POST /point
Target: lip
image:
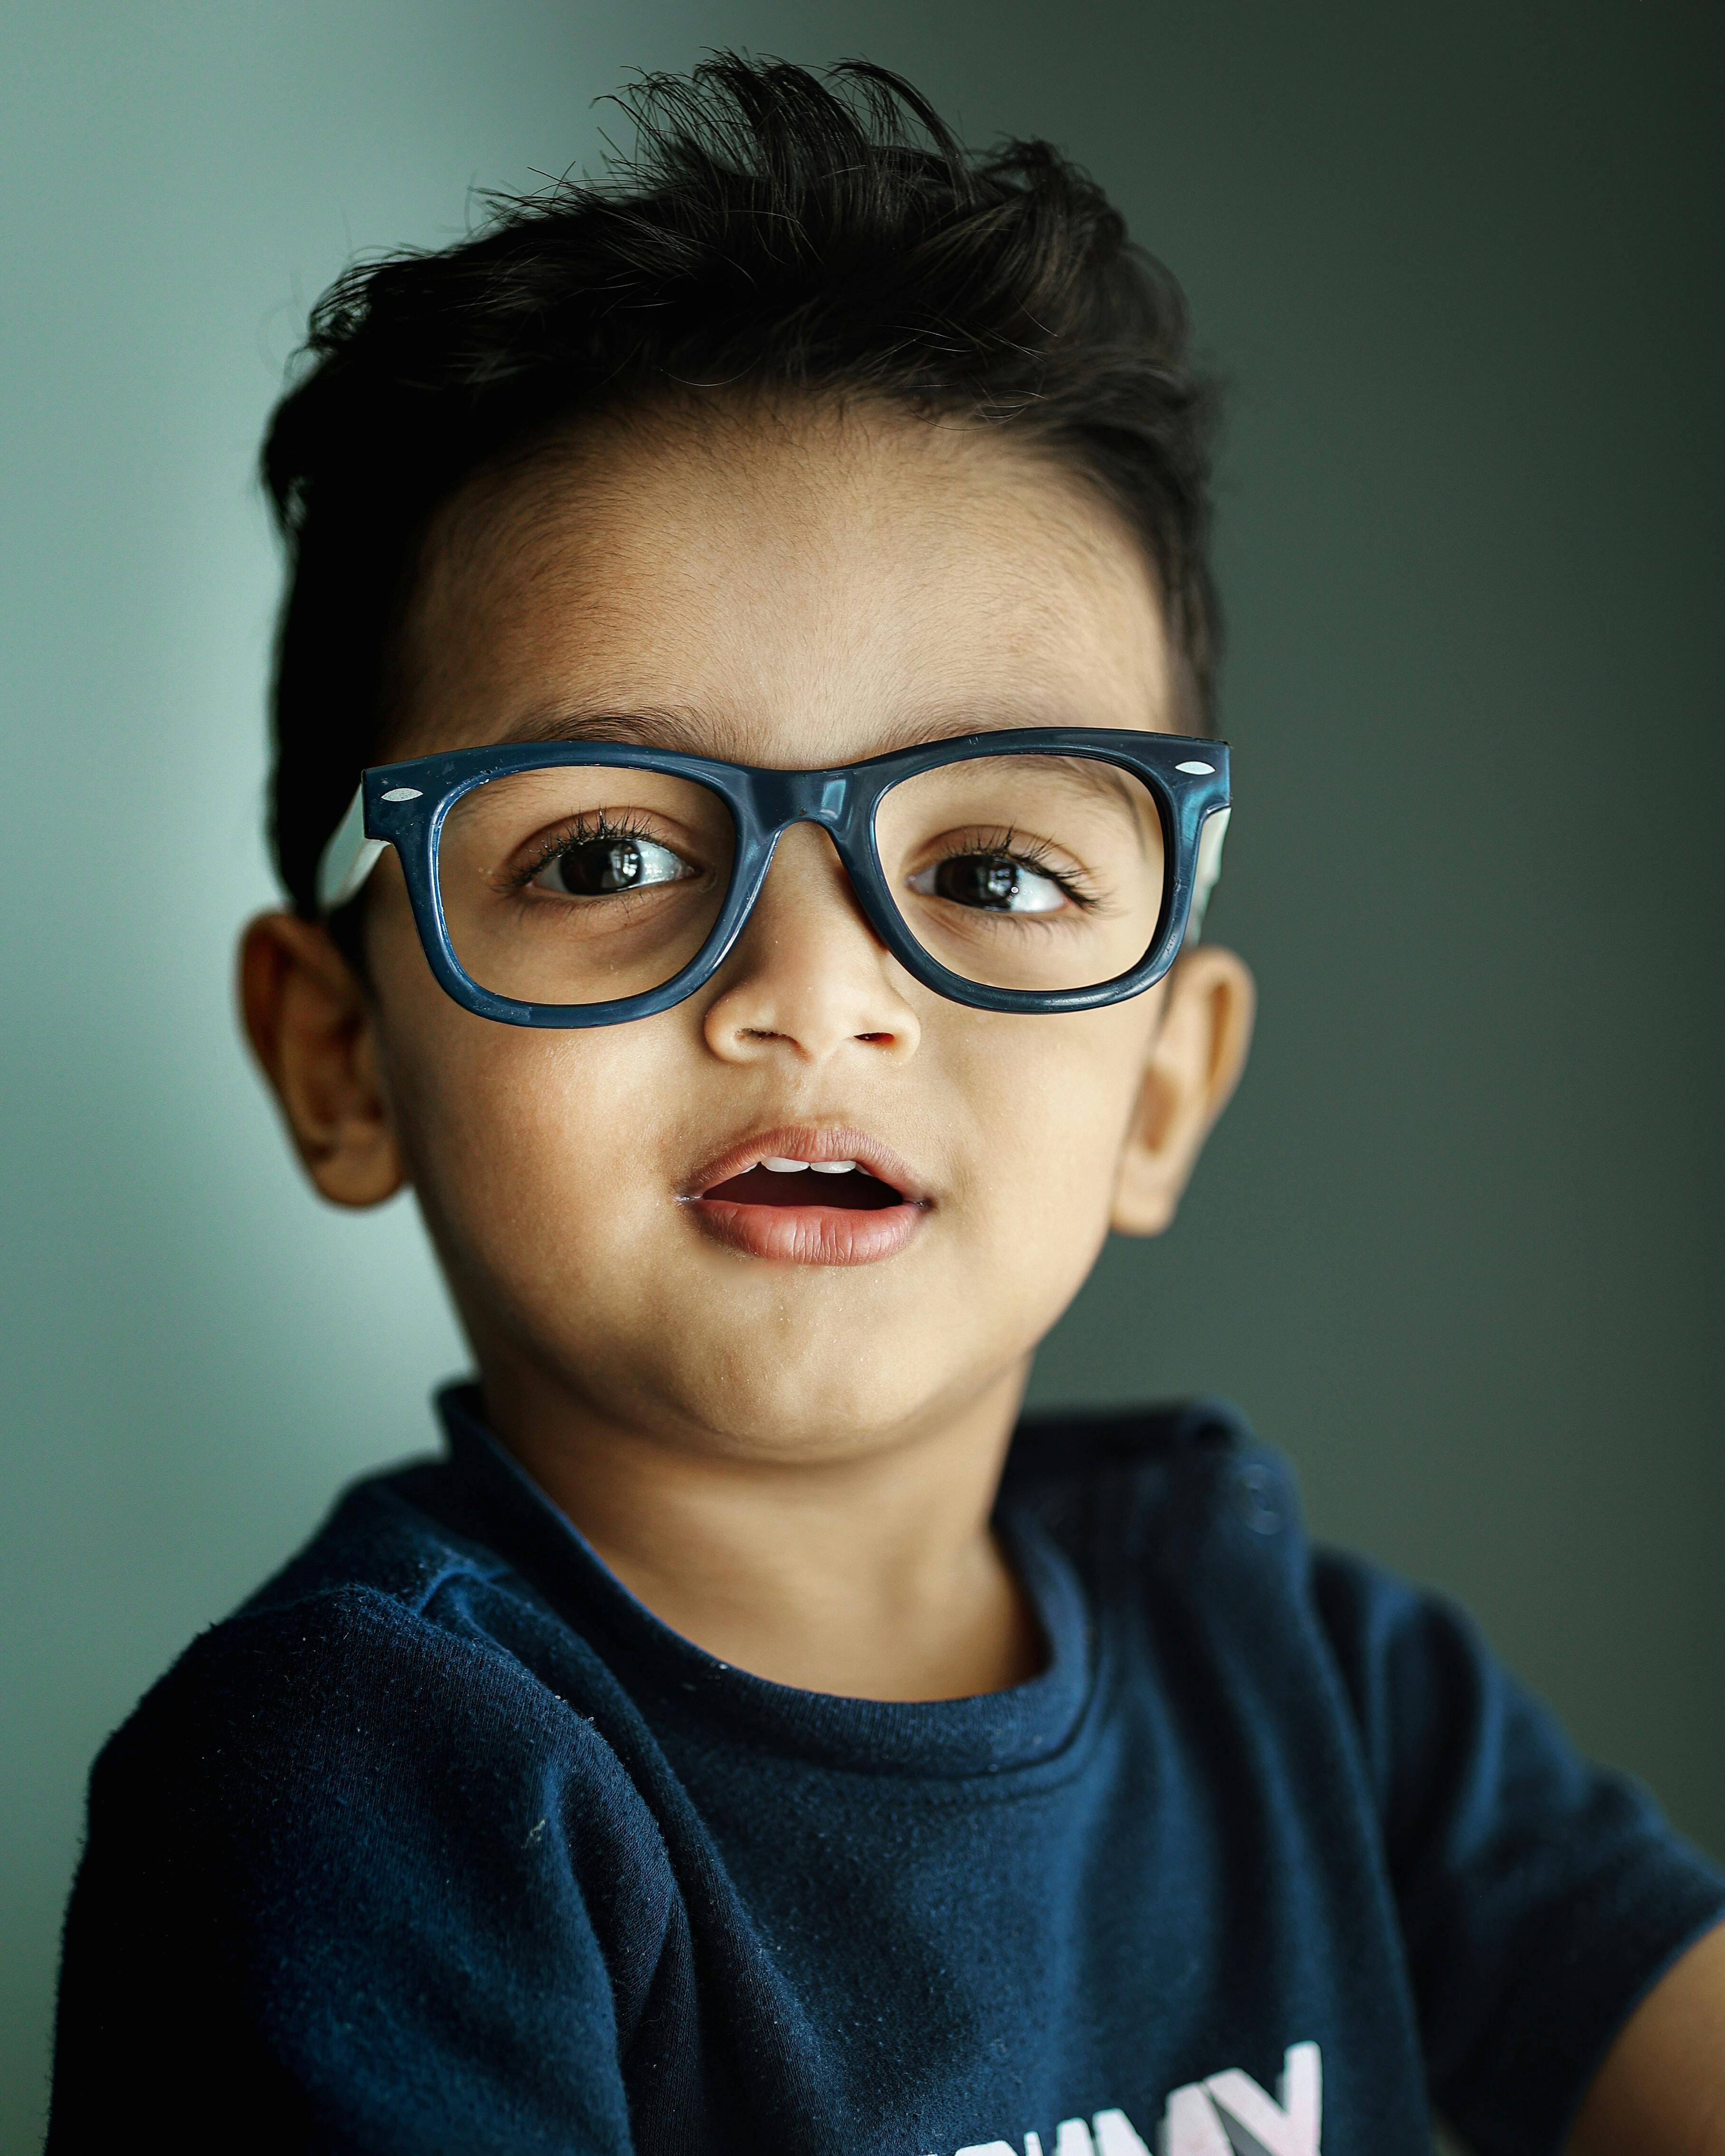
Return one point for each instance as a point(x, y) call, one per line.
point(810, 1234)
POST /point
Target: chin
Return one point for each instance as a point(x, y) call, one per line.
point(791, 1404)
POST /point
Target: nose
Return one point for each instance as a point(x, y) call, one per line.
point(809, 979)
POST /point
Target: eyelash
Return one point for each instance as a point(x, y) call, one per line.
point(584, 831)
point(1033, 854)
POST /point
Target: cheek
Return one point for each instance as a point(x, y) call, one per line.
point(1049, 1101)
point(1056, 1093)
point(523, 1123)
point(530, 1150)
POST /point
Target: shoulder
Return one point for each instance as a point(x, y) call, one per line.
point(1062, 1443)
point(386, 1534)
point(391, 1666)
point(1132, 1480)
point(1181, 1518)
point(374, 1602)
point(358, 1820)
point(1198, 1506)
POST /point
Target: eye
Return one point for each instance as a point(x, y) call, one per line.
point(995, 883)
point(598, 868)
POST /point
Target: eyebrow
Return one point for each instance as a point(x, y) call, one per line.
point(665, 726)
point(690, 730)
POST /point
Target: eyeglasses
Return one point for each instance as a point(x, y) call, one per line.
point(586, 883)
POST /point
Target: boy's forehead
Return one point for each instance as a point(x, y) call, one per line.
point(807, 585)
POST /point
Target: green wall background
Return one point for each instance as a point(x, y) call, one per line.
point(1458, 1245)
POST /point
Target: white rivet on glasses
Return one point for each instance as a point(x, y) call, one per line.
point(1198, 770)
point(412, 792)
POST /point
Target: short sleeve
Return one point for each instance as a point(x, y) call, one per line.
point(1540, 1895)
point(330, 1899)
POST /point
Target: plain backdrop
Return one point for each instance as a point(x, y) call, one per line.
point(1457, 1245)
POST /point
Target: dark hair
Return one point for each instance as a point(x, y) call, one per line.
point(772, 231)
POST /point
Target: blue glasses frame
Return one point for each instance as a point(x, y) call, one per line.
point(405, 805)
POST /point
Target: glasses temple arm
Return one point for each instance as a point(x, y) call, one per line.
point(1206, 871)
point(348, 859)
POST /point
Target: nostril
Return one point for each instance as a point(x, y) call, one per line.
point(878, 1040)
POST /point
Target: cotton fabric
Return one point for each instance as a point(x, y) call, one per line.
point(444, 1843)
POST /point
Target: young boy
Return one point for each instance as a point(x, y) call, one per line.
point(767, 601)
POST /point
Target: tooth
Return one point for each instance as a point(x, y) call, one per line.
point(833, 1167)
point(782, 1167)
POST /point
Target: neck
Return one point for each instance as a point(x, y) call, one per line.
point(875, 1574)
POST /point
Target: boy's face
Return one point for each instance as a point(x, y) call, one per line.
point(797, 587)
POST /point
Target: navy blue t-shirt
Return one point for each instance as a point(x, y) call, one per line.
point(445, 1844)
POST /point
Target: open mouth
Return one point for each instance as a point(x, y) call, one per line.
point(810, 1197)
point(846, 1184)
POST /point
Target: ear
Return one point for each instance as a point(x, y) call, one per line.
point(311, 1026)
point(1195, 1063)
